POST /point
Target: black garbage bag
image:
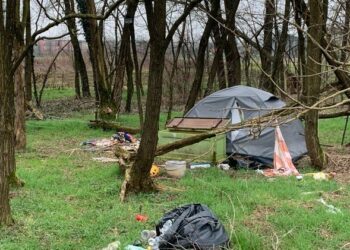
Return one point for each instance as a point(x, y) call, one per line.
point(192, 226)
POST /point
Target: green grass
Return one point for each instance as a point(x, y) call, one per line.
point(71, 202)
point(331, 131)
point(57, 93)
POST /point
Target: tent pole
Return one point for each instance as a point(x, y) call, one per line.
point(345, 128)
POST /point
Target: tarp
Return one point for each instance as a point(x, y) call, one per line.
point(243, 103)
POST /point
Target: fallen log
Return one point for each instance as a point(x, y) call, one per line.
point(113, 126)
point(334, 115)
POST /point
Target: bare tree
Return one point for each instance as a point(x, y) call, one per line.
point(266, 53)
point(137, 178)
point(7, 106)
point(197, 82)
point(79, 64)
point(233, 57)
point(312, 86)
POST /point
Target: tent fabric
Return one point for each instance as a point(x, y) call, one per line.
point(251, 103)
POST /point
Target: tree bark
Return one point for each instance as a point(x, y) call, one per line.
point(277, 66)
point(121, 59)
point(312, 86)
point(20, 131)
point(328, 49)
point(217, 67)
point(197, 82)
point(106, 106)
point(80, 67)
point(130, 81)
point(233, 58)
point(29, 59)
point(346, 30)
point(174, 70)
point(137, 178)
point(138, 81)
point(7, 107)
point(266, 63)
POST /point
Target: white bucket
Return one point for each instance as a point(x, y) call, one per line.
point(175, 168)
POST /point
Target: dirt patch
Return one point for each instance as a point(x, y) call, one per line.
point(258, 220)
point(325, 233)
point(64, 108)
point(339, 162)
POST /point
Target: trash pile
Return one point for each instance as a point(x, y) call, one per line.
point(191, 226)
point(122, 139)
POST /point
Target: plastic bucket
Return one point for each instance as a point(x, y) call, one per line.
point(175, 168)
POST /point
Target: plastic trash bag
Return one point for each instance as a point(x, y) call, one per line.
point(192, 226)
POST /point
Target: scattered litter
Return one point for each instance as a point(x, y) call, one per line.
point(224, 166)
point(141, 218)
point(200, 165)
point(105, 159)
point(299, 177)
point(282, 160)
point(175, 168)
point(259, 171)
point(321, 176)
point(122, 139)
point(99, 143)
point(112, 246)
point(132, 247)
point(154, 170)
point(147, 234)
point(332, 209)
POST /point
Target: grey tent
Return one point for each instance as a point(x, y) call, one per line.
point(242, 103)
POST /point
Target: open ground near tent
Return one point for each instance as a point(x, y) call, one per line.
point(71, 202)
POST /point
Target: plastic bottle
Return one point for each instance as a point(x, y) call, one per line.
point(147, 234)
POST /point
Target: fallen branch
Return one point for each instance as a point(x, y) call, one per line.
point(113, 126)
point(334, 115)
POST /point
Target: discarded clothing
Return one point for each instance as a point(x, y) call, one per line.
point(282, 160)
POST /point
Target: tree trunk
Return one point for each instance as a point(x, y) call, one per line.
point(138, 81)
point(76, 79)
point(221, 73)
point(266, 63)
point(277, 66)
point(137, 178)
point(301, 44)
point(197, 82)
point(130, 81)
point(312, 86)
point(217, 67)
point(233, 58)
point(346, 30)
point(80, 67)
point(29, 59)
point(107, 108)
point(329, 50)
point(174, 70)
point(20, 123)
point(7, 107)
point(247, 54)
point(121, 59)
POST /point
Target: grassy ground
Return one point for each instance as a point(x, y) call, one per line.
point(71, 202)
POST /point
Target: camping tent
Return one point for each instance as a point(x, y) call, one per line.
point(243, 103)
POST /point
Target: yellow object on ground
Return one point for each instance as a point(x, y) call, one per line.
point(321, 175)
point(154, 170)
